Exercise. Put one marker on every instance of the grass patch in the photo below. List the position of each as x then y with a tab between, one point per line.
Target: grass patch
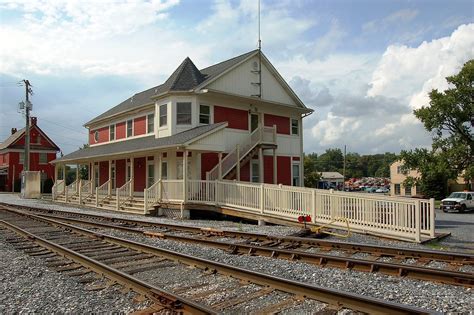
435	245
437	203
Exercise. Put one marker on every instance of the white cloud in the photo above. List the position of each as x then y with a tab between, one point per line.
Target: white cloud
397	17
409	73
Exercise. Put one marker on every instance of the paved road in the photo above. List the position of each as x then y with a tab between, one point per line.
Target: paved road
461	226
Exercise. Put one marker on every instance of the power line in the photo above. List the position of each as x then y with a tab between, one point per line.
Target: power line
55	123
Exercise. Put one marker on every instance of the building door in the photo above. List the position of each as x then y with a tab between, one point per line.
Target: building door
254	122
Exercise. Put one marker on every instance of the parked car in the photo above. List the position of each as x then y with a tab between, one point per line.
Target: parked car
382	190
371	189
460	201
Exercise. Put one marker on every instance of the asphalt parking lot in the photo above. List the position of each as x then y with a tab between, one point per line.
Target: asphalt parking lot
461	226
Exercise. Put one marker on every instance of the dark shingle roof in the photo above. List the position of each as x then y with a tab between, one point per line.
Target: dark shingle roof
186	77
140	144
11	139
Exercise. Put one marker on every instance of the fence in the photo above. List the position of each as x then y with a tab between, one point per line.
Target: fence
397	217
58	188
102	192
123	193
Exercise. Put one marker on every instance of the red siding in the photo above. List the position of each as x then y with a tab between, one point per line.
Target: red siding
34	132
139	173
245	172
208	161
120	130
268	169
284	170
282	123
103	172
103	135
139	126
296	158
237	118
120	172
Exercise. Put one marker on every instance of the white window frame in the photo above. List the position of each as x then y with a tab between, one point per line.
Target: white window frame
190	113
293	175
252	175
209	115
112	127
165	124
126	128
148	164
297	125
21	158
164	163
46	158
148	131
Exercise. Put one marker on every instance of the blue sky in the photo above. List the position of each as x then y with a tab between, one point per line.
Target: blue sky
362	65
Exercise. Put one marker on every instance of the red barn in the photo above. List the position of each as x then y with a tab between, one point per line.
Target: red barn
42	151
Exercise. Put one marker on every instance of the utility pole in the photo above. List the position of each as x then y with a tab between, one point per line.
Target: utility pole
344	171
28	91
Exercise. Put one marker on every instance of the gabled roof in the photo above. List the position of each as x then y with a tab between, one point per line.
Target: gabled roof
10	141
185	78
142	144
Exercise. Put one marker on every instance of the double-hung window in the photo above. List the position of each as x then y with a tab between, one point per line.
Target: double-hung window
129	128
112	132
295	127
164	170
183	113
296	175
163	115
22	157
204	114
151	175
43	158
150	123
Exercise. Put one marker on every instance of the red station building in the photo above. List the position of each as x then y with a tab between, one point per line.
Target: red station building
42	151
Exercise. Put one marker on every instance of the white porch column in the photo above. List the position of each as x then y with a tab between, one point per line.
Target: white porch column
260	165
77	178
275	167
185	176
132	177
92	175
220	166
157	163
237	149
110	178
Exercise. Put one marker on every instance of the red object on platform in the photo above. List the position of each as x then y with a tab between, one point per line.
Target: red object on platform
304	218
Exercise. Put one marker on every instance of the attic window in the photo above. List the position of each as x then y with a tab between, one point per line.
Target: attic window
96	136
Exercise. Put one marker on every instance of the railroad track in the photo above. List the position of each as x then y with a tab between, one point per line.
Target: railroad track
165	277
385	260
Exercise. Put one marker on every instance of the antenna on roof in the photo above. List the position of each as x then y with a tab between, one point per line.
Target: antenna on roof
257	68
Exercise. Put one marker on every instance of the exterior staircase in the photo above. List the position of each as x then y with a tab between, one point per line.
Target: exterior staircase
262	137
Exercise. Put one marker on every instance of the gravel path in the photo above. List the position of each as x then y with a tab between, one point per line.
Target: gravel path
28	286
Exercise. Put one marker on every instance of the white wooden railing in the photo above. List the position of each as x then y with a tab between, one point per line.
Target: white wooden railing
259	135
172	190
85	189
102	192
58	189
152	195
123	193
395	217
71	190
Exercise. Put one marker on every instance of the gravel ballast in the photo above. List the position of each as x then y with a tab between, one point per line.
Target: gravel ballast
28	286
444	298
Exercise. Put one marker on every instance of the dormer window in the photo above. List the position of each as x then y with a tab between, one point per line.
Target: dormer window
183	115
163	115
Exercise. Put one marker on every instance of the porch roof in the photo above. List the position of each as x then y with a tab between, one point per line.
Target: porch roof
141	144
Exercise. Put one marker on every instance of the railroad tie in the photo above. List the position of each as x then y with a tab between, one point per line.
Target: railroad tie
241	299
280	306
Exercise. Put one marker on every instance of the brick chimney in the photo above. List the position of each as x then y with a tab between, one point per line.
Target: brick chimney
33	121
14	130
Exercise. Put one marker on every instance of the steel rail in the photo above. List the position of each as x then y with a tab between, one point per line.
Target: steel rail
330	296
445	256
166	299
393	269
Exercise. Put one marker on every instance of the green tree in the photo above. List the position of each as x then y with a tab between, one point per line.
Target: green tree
311	175
449	117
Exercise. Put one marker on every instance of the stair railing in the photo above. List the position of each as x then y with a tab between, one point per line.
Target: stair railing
230	160
102	192
71	190
85	189
58	189
123	193
152	196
